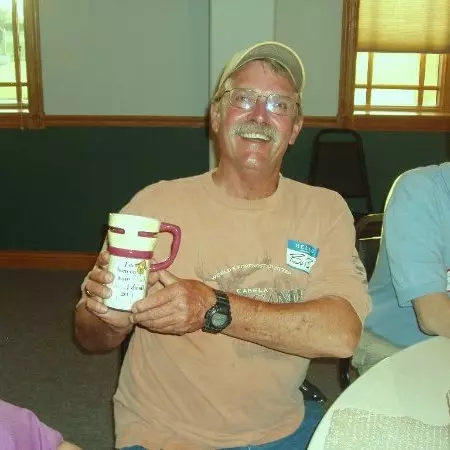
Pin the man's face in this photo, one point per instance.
(255, 139)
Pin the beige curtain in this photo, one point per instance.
(404, 26)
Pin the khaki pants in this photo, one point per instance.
(371, 350)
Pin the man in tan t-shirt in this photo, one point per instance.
(266, 278)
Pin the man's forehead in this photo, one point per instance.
(244, 76)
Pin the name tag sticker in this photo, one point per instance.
(300, 255)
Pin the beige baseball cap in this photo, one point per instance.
(276, 51)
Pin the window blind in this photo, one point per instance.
(404, 26)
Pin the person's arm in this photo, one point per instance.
(415, 249)
(433, 314)
(324, 327)
(94, 334)
(99, 329)
(327, 323)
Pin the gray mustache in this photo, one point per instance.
(245, 128)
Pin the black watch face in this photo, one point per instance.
(219, 319)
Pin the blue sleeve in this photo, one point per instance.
(414, 240)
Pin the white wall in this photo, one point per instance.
(313, 28)
(234, 26)
(163, 57)
(146, 57)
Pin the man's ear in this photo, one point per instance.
(215, 116)
(298, 125)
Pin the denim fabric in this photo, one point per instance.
(300, 438)
(297, 441)
(134, 447)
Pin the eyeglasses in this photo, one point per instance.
(247, 99)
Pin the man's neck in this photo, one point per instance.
(247, 184)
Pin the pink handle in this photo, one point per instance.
(175, 231)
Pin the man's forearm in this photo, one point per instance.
(326, 327)
(95, 335)
(433, 314)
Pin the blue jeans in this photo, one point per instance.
(298, 440)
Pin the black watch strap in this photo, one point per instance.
(222, 299)
(220, 309)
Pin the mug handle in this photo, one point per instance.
(175, 231)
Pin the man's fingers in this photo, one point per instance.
(153, 314)
(101, 276)
(153, 278)
(160, 325)
(166, 278)
(96, 289)
(96, 307)
(103, 259)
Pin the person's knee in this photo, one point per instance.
(371, 350)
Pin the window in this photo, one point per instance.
(20, 72)
(395, 64)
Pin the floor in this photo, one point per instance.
(42, 369)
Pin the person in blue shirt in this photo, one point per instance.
(410, 286)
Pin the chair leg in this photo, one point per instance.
(344, 372)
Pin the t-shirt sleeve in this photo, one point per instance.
(413, 237)
(338, 270)
(21, 429)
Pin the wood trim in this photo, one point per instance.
(16, 120)
(12, 83)
(17, 71)
(348, 62)
(320, 122)
(403, 87)
(34, 67)
(419, 122)
(47, 260)
(445, 74)
(158, 121)
(424, 122)
(124, 121)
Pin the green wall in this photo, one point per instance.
(59, 184)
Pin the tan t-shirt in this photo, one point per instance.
(206, 391)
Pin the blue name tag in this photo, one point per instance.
(300, 255)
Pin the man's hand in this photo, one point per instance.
(178, 308)
(95, 292)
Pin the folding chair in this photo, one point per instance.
(368, 238)
(338, 163)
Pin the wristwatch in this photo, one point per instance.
(218, 317)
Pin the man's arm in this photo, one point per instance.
(433, 313)
(326, 327)
(96, 335)
(415, 246)
(327, 322)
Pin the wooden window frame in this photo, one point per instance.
(33, 118)
(422, 121)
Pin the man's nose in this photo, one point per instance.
(259, 112)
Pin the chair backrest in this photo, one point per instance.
(338, 163)
(368, 252)
(368, 237)
(369, 225)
